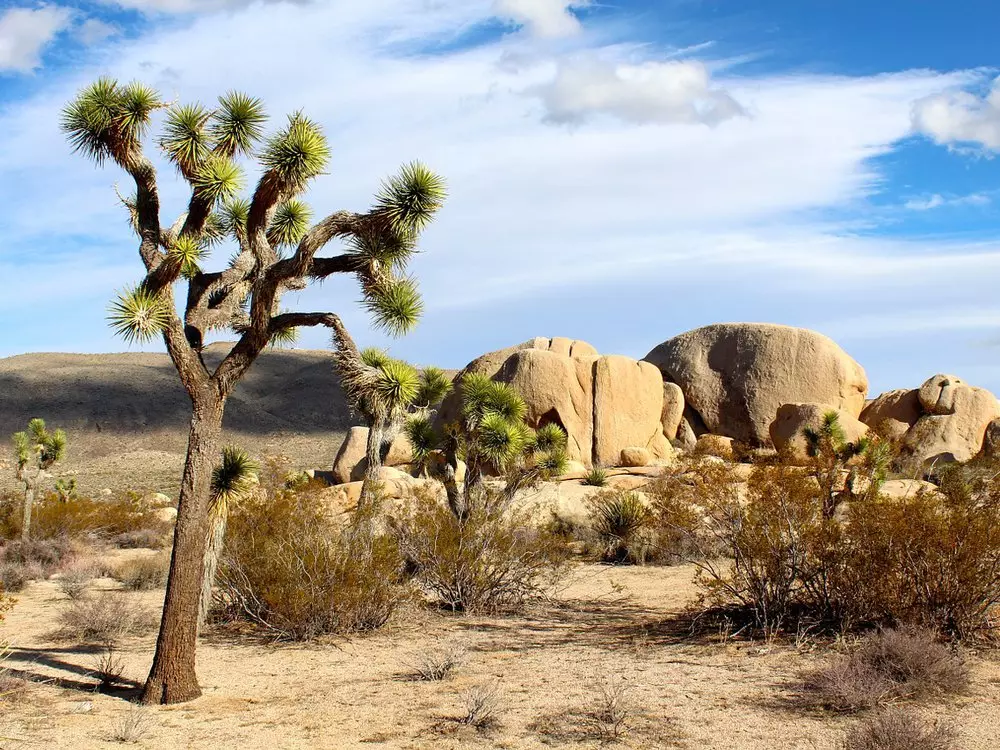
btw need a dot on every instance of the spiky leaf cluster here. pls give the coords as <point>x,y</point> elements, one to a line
<point>234,477</point>
<point>396,306</point>
<point>434,386</point>
<point>290,223</point>
<point>139,315</point>
<point>409,200</point>
<point>37,446</point>
<point>296,154</point>
<point>107,120</point>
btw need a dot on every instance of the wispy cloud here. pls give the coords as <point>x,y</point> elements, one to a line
<point>937,200</point>
<point>26,32</point>
<point>960,117</point>
<point>543,18</point>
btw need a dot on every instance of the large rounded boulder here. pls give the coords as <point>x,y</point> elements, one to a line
<point>735,375</point>
<point>604,403</point>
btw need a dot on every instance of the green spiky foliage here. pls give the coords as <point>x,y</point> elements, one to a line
<point>36,450</point>
<point>233,479</point>
<point>434,386</point>
<point>419,430</point>
<point>831,453</point>
<point>274,246</point>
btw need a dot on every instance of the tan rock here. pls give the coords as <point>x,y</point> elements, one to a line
<point>893,413</point>
<point>673,409</point>
<point>905,488</point>
<point>735,375</point>
<point>789,426</point>
<point>991,440</point>
<point>628,405</point>
<point>636,456</point>
<point>715,445</point>
<point>686,439</point>
<point>957,429</point>
<point>350,463</point>
<point>166,515</point>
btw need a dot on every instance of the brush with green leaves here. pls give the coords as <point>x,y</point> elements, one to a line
<point>273,244</point>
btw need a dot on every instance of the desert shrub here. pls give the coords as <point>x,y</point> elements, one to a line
<point>789,547</point>
<point>290,567</point>
<point>898,729</point>
<point>23,561</point>
<point>887,667</point>
<point>132,726</point>
<point>483,704</point>
<point>56,517</point>
<point>624,525</point>
<point>613,711</point>
<point>596,477</point>
<point>494,560</point>
<point>109,668</point>
<point>105,619</point>
<point>437,664</point>
<point>12,688</point>
<point>143,573</point>
<point>141,539</point>
<point>75,581</point>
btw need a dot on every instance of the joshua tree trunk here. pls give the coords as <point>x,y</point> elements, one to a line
<point>29,503</point>
<point>172,678</point>
<point>213,551</point>
<point>373,455</point>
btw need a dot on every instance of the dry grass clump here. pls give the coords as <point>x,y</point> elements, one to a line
<point>293,569</point>
<point>143,573</point>
<point>890,666</point>
<point>437,664</point>
<point>141,539</point>
<point>105,619</point>
<point>596,477</point>
<point>491,562</point>
<point>896,729</point>
<point>613,713</point>
<point>133,726</point>
<point>623,524</point>
<point>13,689</point>
<point>75,581</point>
<point>109,668</point>
<point>483,705</point>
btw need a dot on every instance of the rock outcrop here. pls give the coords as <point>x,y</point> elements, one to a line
<point>735,375</point>
<point>943,420</point>
<point>604,403</point>
<point>788,428</point>
<point>350,463</point>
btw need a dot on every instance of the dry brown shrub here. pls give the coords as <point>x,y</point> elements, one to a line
<point>896,729</point>
<point>890,666</point>
<point>143,573</point>
<point>105,619</point>
<point>494,561</point>
<point>483,705</point>
<point>55,517</point>
<point>292,568</point>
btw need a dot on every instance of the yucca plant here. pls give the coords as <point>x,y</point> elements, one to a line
<point>596,477</point>
<point>35,451</point>
<point>831,452</point>
<point>622,522</point>
<point>232,480</point>
<point>277,249</point>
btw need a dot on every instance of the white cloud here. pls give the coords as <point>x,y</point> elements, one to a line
<point>543,18</point>
<point>651,92</point>
<point>958,117</point>
<point>25,32</point>
<point>95,31</point>
<point>185,6</point>
<point>633,216</point>
<point>937,201</point>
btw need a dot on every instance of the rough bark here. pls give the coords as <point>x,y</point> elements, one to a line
<point>213,551</point>
<point>29,504</point>
<point>373,454</point>
<point>172,678</point>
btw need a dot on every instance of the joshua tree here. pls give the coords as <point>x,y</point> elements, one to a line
<point>276,250</point>
<point>831,453</point>
<point>34,453</point>
<point>232,480</point>
<point>491,434</point>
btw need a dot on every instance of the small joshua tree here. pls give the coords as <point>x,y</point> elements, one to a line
<point>276,250</point>
<point>831,453</point>
<point>35,451</point>
<point>232,480</point>
<point>491,435</point>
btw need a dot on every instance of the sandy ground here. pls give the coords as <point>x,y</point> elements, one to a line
<point>608,623</point>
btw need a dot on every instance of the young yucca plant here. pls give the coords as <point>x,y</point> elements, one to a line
<point>35,451</point>
<point>276,248</point>
<point>232,480</point>
<point>831,452</point>
<point>622,521</point>
<point>596,477</point>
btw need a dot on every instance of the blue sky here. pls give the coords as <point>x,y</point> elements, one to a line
<point>619,171</point>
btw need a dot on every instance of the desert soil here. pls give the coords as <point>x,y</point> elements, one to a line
<point>616,623</point>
